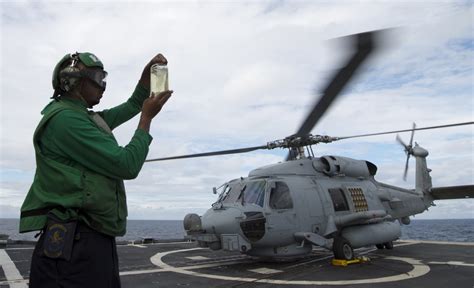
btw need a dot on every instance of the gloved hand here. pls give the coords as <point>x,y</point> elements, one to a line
<point>151,107</point>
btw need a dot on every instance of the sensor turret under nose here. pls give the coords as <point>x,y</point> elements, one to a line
<point>192,222</point>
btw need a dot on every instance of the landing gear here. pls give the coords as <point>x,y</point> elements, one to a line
<point>342,249</point>
<point>386,245</point>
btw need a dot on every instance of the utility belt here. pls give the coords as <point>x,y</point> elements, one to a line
<point>83,228</point>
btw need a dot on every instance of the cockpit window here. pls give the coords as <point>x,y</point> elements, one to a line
<point>280,197</point>
<point>225,193</point>
<point>338,199</point>
<point>254,193</point>
<point>231,193</point>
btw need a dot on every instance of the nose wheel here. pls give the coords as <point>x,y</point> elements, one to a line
<point>342,249</point>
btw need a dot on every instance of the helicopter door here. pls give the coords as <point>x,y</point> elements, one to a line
<point>315,203</point>
<point>280,213</point>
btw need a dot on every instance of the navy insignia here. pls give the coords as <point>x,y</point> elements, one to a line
<point>55,239</point>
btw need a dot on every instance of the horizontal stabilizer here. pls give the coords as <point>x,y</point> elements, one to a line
<point>453,192</point>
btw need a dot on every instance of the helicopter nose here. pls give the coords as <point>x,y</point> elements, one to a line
<point>230,229</point>
<point>222,221</point>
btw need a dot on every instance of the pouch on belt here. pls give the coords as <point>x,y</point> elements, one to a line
<point>59,238</point>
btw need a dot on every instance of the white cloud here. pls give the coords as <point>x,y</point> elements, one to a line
<point>245,73</point>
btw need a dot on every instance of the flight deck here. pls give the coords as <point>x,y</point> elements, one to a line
<point>183,264</point>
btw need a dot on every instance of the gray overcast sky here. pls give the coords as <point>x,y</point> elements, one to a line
<point>245,73</point>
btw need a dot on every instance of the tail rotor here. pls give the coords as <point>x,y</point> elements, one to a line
<point>408,150</point>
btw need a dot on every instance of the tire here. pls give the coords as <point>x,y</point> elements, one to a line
<point>388,245</point>
<point>342,249</point>
<point>380,246</point>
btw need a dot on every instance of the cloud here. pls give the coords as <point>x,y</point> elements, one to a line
<point>245,73</point>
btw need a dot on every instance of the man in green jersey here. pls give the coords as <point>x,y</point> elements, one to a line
<point>77,199</point>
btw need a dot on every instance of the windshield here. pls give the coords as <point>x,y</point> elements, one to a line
<point>253,193</point>
<point>229,192</point>
<point>224,192</point>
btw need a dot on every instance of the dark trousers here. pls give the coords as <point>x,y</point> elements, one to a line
<point>93,263</point>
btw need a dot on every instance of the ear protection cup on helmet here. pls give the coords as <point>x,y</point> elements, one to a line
<point>69,76</point>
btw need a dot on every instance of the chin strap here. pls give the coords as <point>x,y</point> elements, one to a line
<point>56,95</point>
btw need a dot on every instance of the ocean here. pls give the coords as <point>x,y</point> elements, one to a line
<point>457,230</point>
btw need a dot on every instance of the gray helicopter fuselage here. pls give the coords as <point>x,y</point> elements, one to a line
<point>281,210</point>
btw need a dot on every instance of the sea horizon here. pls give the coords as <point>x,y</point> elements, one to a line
<point>454,230</point>
<point>412,219</point>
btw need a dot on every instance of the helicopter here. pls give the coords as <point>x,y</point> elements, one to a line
<point>281,211</point>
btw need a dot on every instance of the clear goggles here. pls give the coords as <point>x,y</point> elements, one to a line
<point>96,76</point>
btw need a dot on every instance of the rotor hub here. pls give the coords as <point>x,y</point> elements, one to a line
<point>296,141</point>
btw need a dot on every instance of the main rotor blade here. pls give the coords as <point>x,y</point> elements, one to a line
<point>249,149</point>
<point>405,130</point>
<point>364,43</point>
<point>215,153</point>
<point>453,192</point>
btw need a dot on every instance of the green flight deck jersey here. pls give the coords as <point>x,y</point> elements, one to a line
<point>80,167</point>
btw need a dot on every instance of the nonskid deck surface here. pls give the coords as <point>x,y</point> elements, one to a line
<point>182,264</point>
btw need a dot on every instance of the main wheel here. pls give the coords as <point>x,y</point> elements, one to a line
<point>388,245</point>
<point>342,249</point>
<point>379,246</point>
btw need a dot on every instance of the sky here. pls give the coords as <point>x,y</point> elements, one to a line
<point>245,73</point>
